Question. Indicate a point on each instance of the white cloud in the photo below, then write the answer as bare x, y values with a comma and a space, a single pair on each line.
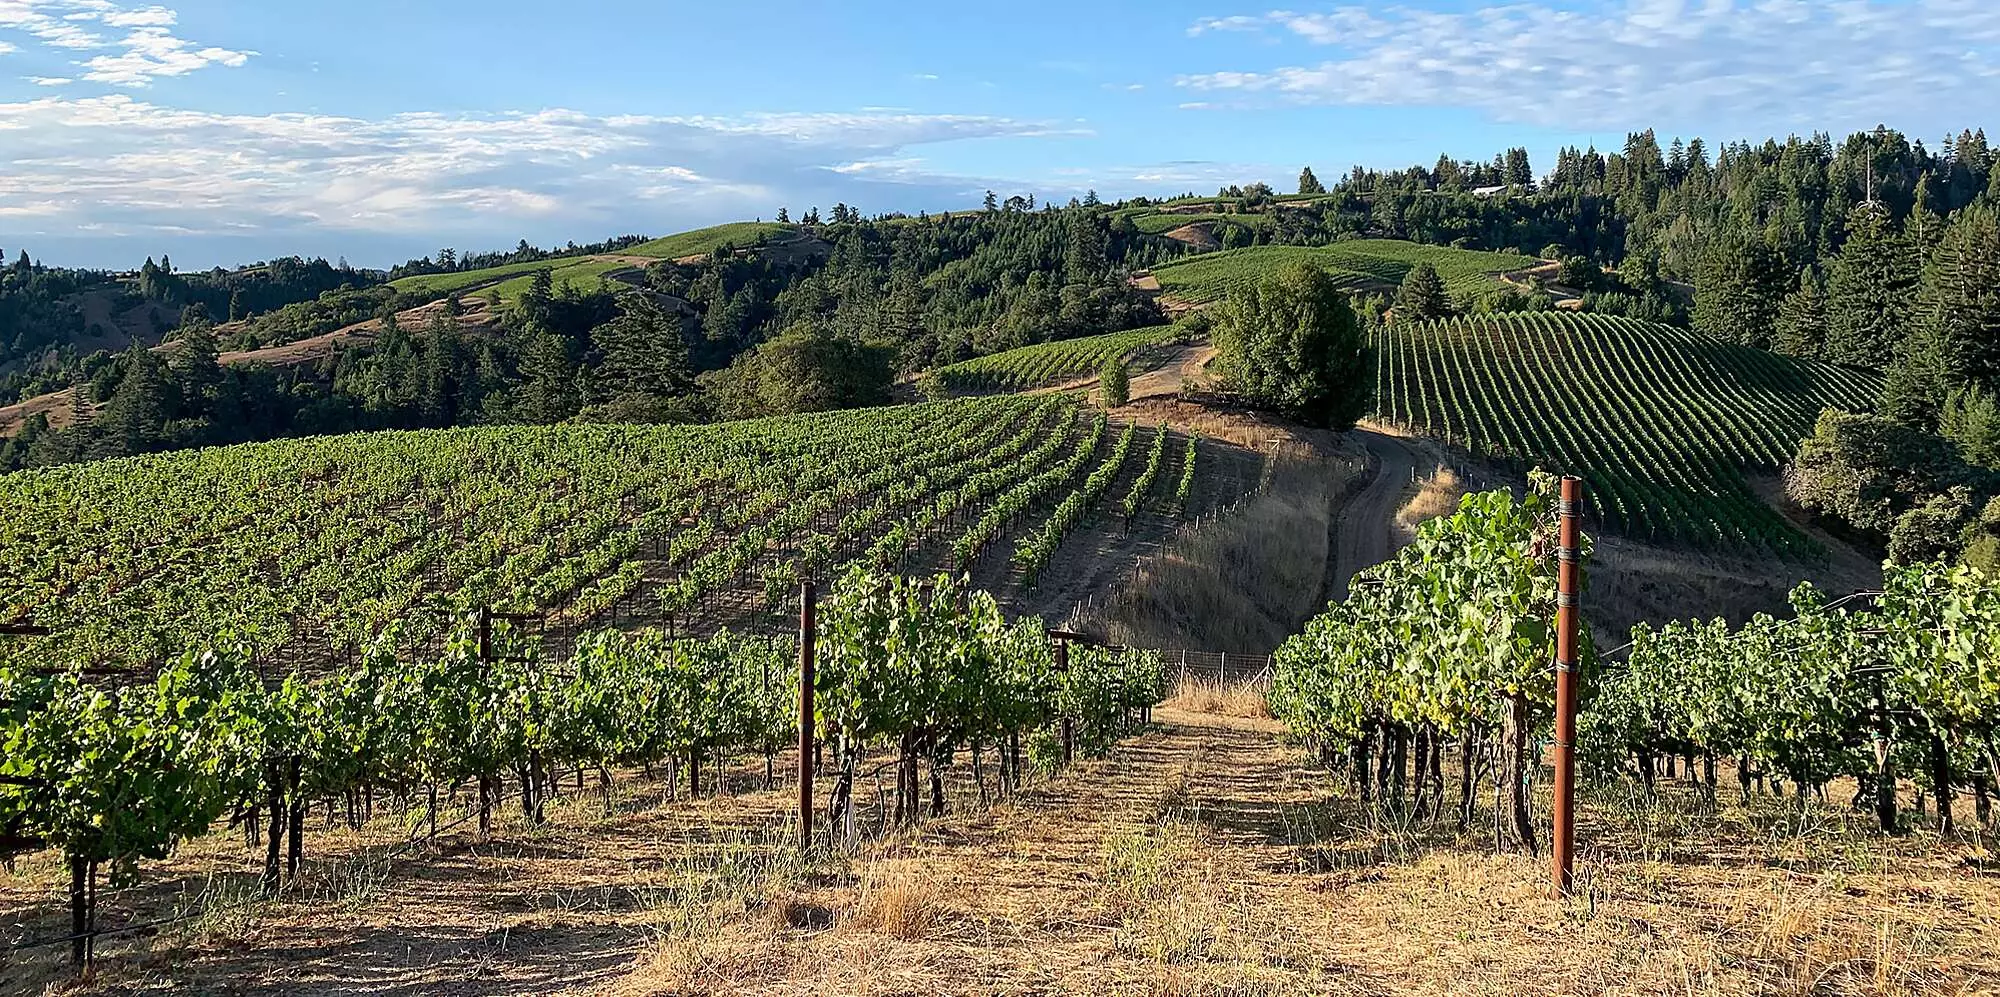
129, 167
1701, 63
49, 81
147, 50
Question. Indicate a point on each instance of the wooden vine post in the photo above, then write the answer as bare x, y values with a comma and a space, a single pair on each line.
1568, 556
806, 628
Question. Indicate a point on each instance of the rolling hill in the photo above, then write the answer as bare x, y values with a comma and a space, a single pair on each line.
1664, 423
308, 547
1359, 264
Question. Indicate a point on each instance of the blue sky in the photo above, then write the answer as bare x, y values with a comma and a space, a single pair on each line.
223, 132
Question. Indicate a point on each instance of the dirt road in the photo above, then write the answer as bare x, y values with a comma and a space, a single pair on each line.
1366, 534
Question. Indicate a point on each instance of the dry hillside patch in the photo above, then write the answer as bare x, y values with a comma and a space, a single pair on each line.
1437, 495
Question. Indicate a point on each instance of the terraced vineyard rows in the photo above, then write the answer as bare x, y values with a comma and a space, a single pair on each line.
1354, 264
1046, 363
1663, 422
308, 547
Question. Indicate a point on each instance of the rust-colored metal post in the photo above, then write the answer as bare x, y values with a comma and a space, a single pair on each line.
1568, 556
806, 715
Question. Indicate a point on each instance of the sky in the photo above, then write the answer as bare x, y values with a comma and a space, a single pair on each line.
222, 133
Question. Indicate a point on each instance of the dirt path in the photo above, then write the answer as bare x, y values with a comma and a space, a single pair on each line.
1366, 533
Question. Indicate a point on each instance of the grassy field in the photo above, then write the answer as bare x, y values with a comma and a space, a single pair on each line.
583, 275
440, 283
707, 240
1356, 264
1663, 422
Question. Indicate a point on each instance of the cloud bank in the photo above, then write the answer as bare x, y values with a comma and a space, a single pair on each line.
1695, 63
116, 166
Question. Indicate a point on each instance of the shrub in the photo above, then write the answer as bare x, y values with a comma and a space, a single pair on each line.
1114, 384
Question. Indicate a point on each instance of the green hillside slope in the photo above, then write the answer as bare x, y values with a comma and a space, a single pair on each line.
308, 548
1046, 363
1355, 264
1663, 423
707, 240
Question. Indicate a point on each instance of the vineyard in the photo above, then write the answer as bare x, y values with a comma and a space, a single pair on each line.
923, 669
1359, 264
305, 549
1045, 364
1451, 643
1663, 422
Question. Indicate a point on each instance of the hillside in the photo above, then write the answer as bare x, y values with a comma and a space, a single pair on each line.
1046, 364
1665, 423
741, 235
1359, 264
310, 546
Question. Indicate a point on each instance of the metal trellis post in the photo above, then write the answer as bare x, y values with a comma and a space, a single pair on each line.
1568, 555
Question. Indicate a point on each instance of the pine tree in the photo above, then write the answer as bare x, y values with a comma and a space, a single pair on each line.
1868, 292
784, 217
1422, 295
1919, 379
1960, 295
1737, 290
992, 203
1801, 326
644, 351
1309, 184
1086, 252
549, 394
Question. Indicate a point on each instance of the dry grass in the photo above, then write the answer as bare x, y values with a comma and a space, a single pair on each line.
901, 903
1437, 495
1204, 858
1242, 580
1197, 694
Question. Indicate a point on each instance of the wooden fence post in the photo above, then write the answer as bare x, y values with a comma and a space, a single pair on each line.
1568, 554
806, 736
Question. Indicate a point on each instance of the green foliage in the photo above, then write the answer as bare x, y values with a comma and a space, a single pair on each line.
338, 537
1971, 419
1935, 529
1114, 385
1422, 295
1867, 471
1662, 422
1801, 326
1831, 691
1292, 344
1580, 272
1869, 288
805, 370
1738, 291
1456, 632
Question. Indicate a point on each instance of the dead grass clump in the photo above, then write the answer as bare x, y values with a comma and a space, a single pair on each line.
1436, 496
901, 904
1197, 694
